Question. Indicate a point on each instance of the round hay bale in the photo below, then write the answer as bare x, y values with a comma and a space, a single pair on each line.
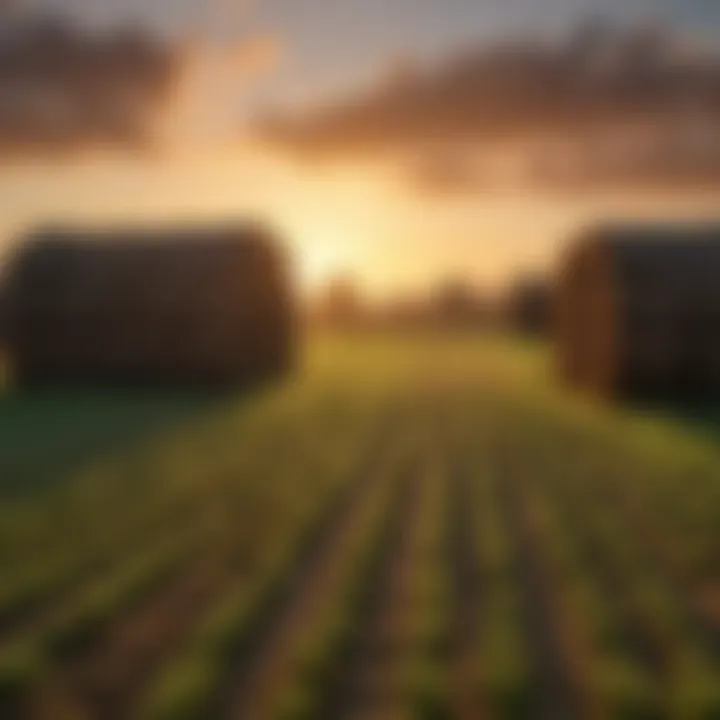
637, 311
200, 305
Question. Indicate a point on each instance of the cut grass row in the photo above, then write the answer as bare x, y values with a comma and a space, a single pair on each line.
611, 678
57, 540
326, 643
191, 686
25, 661
666, 479
503, 657
429, 690
612, 589
687, 671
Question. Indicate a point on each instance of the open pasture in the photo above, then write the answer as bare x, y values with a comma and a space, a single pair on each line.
410, 528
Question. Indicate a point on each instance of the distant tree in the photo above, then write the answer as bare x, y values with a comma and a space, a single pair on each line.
341, 304
458, 303
528, 304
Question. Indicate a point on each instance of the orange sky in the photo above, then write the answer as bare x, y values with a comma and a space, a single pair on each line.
382, 79
352, 218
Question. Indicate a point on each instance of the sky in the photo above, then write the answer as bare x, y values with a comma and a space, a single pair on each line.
343, 123
332, 44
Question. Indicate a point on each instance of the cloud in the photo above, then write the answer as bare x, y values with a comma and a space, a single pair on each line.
447, 171
216, 80
63, 90
613, 86
646, 156
256, 56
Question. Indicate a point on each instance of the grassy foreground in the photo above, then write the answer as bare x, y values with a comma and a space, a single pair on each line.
417, 527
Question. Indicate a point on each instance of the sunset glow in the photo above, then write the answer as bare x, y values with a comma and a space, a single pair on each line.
382, 169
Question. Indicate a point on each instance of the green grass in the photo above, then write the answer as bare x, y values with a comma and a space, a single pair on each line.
104, 496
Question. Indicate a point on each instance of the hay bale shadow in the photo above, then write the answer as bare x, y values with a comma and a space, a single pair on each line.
50, 432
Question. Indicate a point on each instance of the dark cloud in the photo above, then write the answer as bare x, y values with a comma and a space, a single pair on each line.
686, 155
62, 89
600, 82
447, 171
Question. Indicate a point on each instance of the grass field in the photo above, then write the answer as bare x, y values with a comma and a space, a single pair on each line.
411, 528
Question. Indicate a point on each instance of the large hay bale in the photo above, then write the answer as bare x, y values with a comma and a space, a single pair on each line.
190, 305
638, 311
